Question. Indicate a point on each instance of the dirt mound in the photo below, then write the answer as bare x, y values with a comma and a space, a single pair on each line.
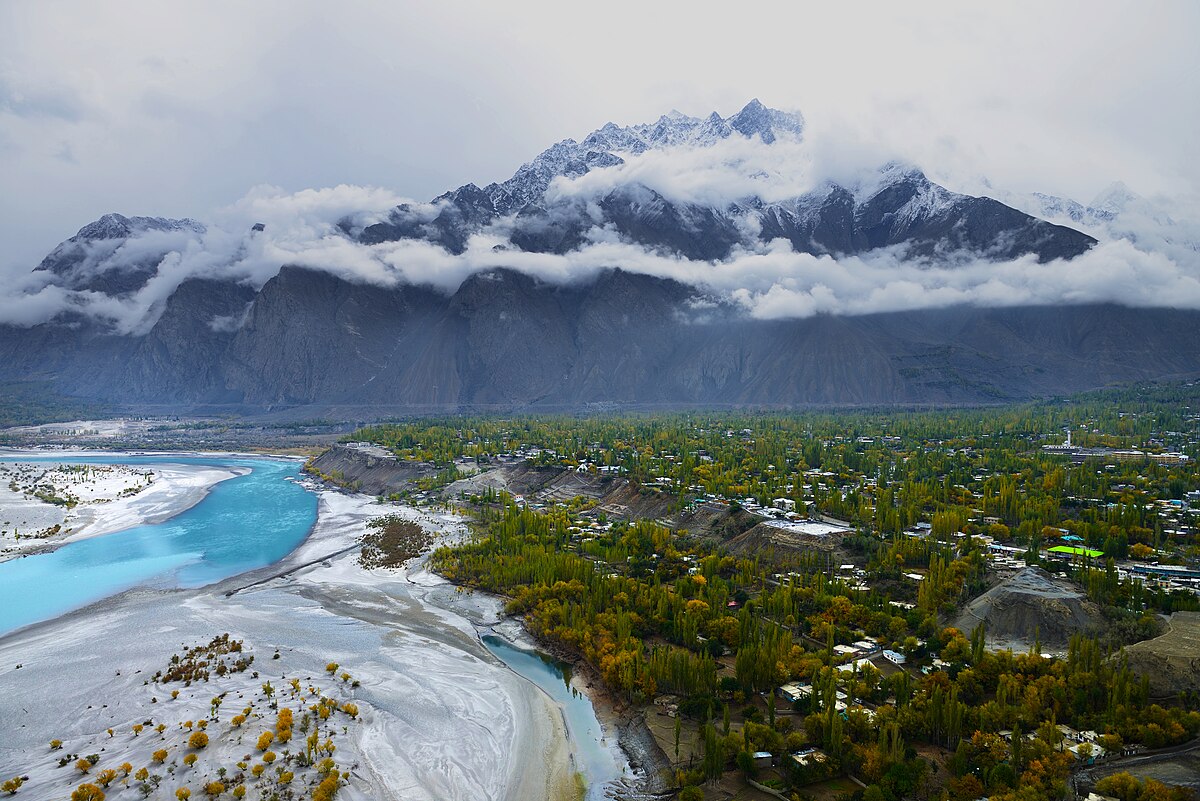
517, 479
369, 469
570, 484
627, 501
617, 497
764, 539
1030, 607
1172, 661
718, 521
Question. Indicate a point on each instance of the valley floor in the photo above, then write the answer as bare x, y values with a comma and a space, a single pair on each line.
437, 716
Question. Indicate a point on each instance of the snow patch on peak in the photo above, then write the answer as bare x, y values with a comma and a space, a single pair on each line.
1115, 198
118, 226
1051, 207
869, 184
755, 119
611, 144
85, 253
1161, 225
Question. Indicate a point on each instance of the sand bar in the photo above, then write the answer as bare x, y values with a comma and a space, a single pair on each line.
109, 497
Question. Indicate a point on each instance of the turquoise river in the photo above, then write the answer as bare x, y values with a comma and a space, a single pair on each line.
242, 524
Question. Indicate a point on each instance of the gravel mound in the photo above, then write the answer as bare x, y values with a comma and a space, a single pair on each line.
1028, 607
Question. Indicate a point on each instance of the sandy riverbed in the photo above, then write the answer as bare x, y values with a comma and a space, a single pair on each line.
440, 718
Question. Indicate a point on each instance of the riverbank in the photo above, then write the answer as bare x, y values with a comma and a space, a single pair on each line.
650, 772
92, 500
438, 716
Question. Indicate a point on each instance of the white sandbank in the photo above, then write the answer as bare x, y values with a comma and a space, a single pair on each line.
440, 718
104, 507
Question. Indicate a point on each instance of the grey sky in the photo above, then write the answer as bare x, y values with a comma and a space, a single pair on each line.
178, 109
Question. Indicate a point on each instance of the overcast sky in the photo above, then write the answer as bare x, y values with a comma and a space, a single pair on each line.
175, 109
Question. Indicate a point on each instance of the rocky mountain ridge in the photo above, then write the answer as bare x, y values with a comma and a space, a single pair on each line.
316, 337
895, 206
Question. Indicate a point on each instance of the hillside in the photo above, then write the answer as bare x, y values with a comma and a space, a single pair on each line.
1172, 661
506, 340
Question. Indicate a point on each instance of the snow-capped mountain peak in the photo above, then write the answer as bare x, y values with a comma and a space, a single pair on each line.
118, 226
702, 188
1114, 199
755, 119
88, 259
611, 144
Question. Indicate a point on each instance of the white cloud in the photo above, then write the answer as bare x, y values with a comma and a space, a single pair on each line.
727, 171
299, 228
174, 109
1112, 272
1146, 257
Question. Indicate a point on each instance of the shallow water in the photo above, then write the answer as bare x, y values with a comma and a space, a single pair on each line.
242, 524
600, 762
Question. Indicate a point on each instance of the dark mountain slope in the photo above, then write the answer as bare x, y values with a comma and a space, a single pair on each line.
507, 340
310, 337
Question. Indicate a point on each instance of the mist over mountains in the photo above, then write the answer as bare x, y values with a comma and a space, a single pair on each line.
690, 260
